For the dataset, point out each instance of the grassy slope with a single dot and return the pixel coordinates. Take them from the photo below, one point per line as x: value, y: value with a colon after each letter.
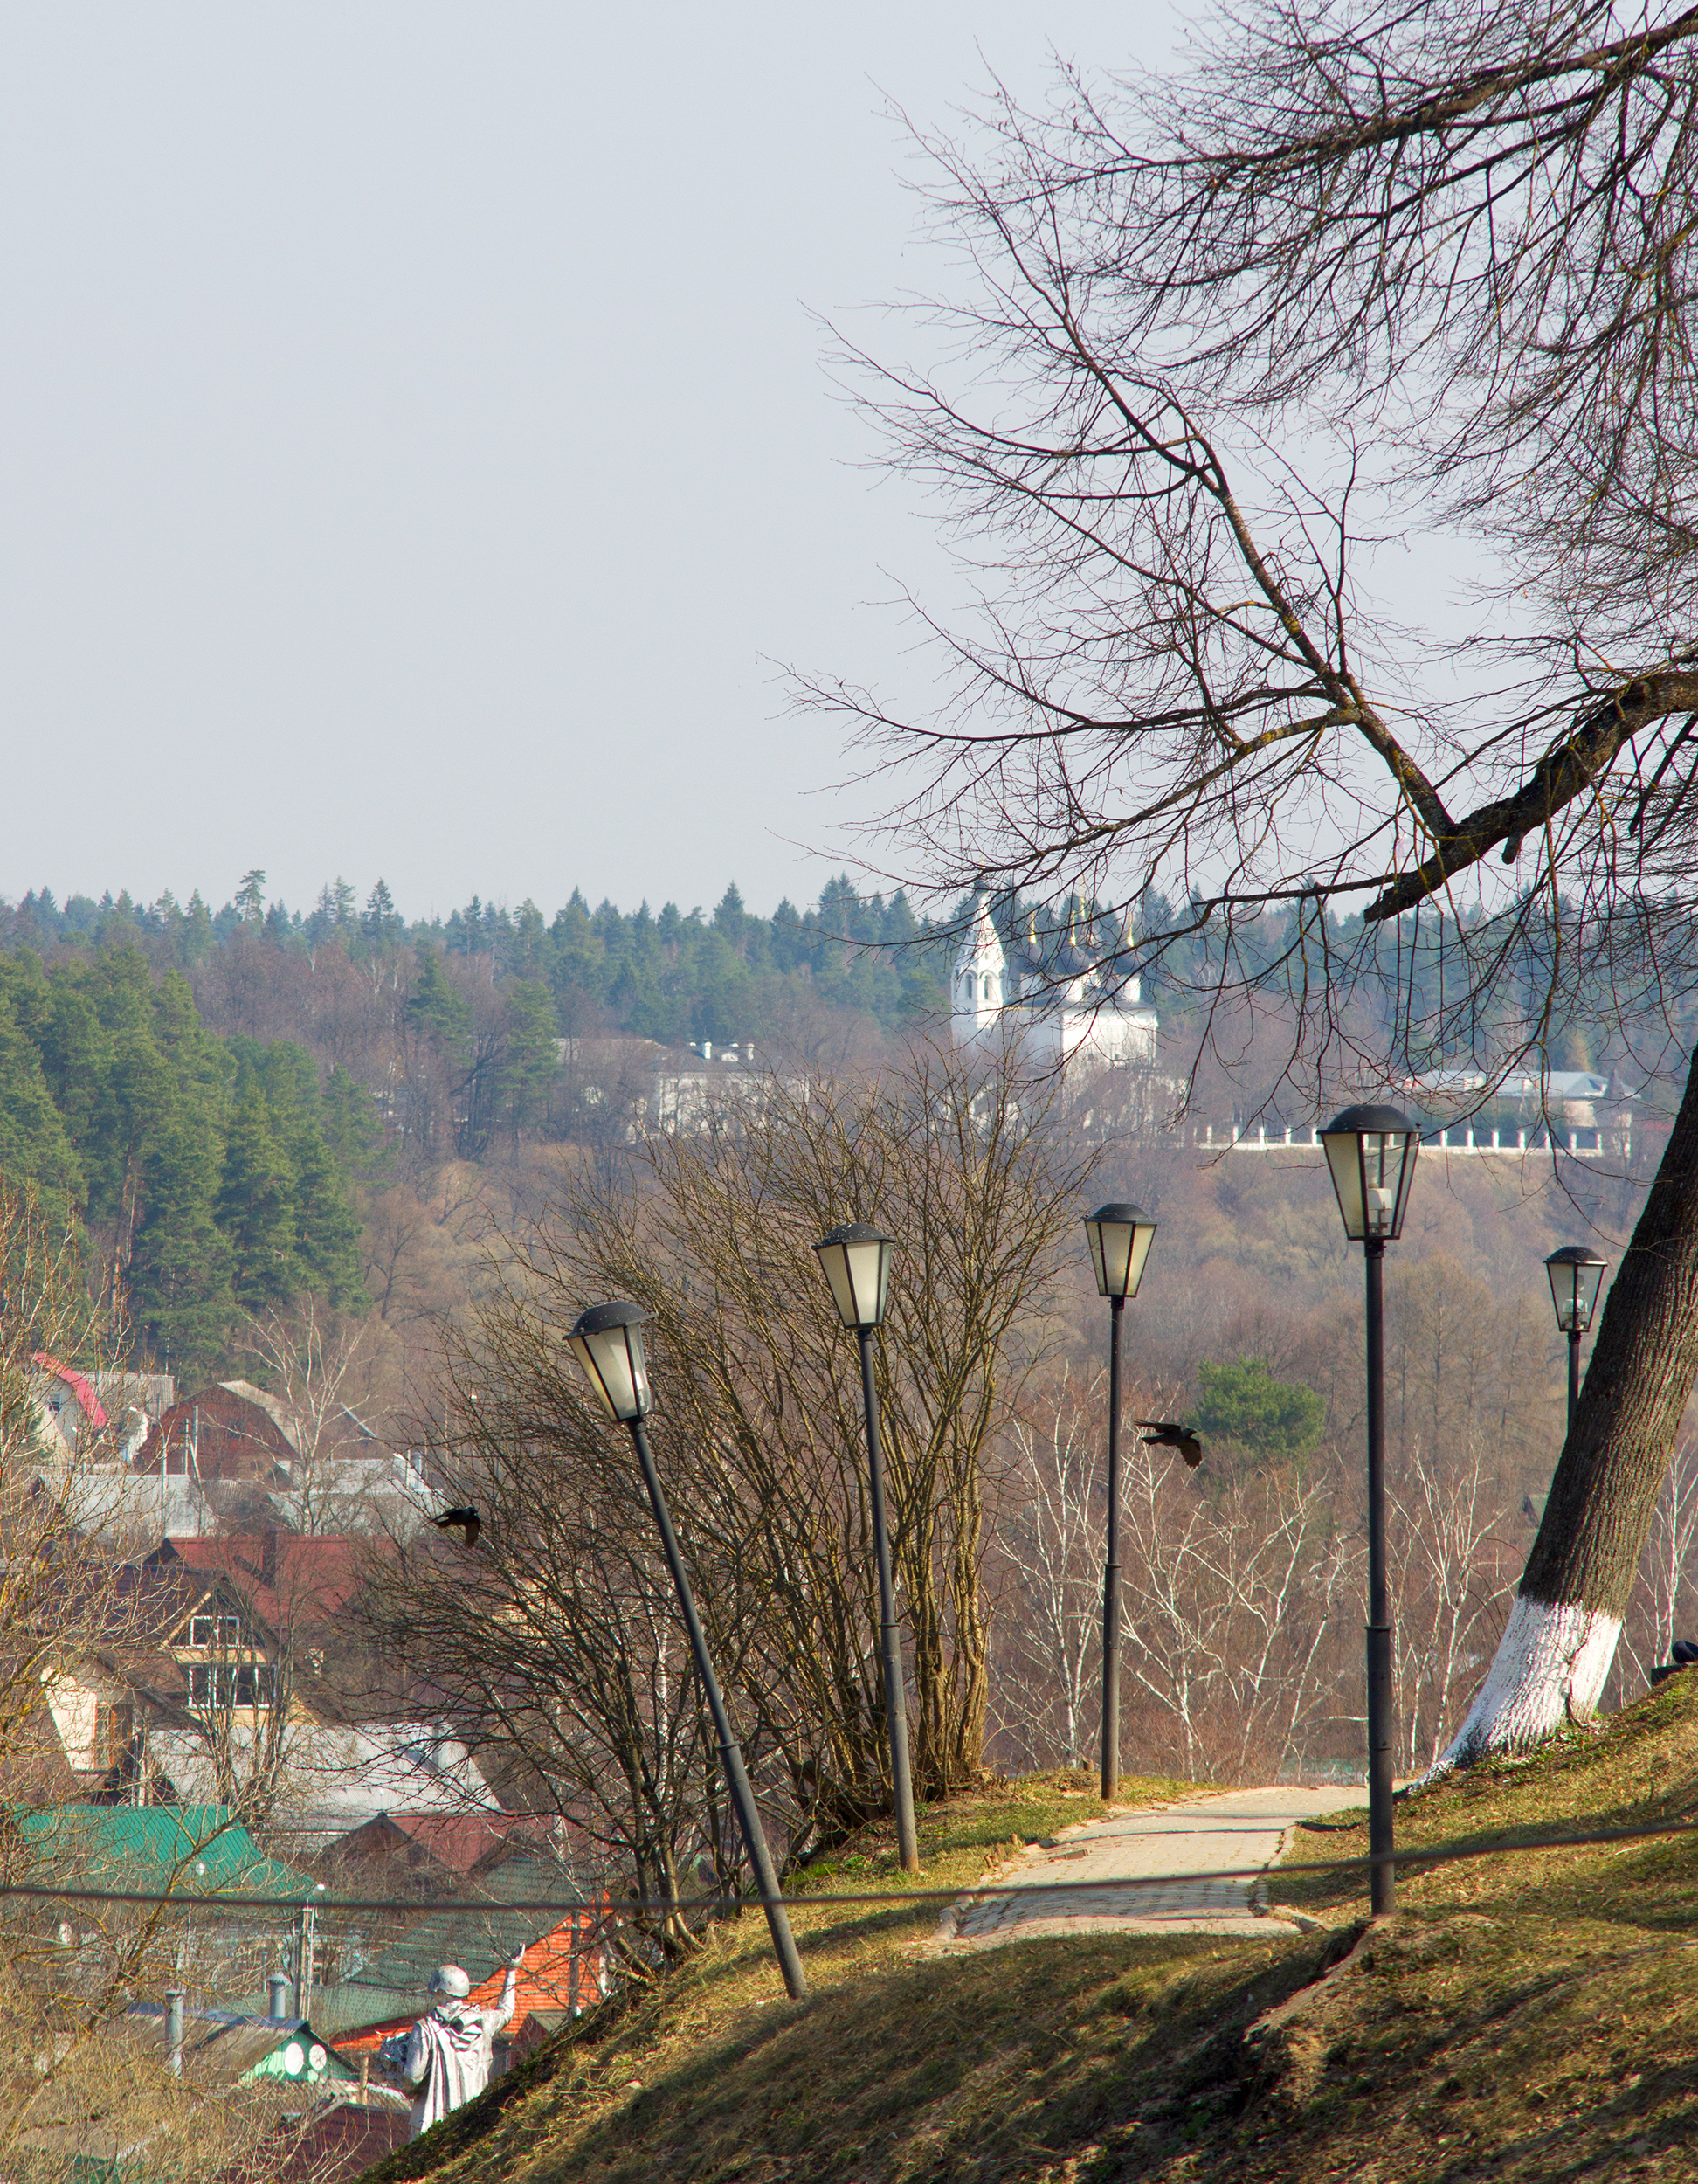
x: 1533, y: 2015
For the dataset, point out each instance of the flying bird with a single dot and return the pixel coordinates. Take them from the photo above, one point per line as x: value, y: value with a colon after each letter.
x: 463, y: 1521
x: 1164, y: 1432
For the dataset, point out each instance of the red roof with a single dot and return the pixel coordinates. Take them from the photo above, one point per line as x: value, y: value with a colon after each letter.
x: 285, y: 1575
x: 80, y: 1386
x: 544, y: 1983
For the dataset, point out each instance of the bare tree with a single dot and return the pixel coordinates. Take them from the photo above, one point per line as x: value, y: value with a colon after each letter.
x: 1363, y: 269
x: 1044, y: 1696
x: 1452, y: 1575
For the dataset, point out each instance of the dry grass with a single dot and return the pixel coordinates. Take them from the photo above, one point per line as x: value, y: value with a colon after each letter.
x: 1531, y: 2016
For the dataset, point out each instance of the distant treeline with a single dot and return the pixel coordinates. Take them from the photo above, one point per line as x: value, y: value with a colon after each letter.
x: 671, y: 975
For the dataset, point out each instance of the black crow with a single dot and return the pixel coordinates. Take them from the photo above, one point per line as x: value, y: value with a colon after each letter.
x: 1683, y: 1652
x: 1165, y: 1434
x: 463, y: 1521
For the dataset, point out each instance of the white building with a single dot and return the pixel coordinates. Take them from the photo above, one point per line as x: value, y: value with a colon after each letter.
x: 1059, y: 1002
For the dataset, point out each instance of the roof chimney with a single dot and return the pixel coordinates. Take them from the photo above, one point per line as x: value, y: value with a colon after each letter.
x: 278, y: 1985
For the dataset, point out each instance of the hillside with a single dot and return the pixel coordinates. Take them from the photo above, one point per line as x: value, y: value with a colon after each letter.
x: 1527, y: 2016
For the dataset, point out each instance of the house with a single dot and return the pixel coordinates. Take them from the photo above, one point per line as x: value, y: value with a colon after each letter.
x: 223, y: 2049
x: 235, y: 1453
x: 207, y: 1633
x: 69, y: 1413
x: 1061, y: 1003
x: 715, y: 1088
x: 301, y: 2107
x: 219, y: 1435
x: 337, y: 2140
x: 335, y: 1777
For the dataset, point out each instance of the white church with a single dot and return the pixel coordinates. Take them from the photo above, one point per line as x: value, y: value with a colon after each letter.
x: 1057, y: 1002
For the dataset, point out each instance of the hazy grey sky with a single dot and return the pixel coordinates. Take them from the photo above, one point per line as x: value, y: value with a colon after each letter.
x: 412, y: 435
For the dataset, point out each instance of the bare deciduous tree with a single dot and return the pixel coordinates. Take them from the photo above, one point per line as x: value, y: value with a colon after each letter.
x: 1363, y: 270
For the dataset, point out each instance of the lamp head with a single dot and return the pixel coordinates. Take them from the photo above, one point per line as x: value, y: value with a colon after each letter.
x: 607, y: 1341
x: 856, y: 1263
x: 1576, y: 1275
x: 1120, y: 1236
x: 1370, y: 1153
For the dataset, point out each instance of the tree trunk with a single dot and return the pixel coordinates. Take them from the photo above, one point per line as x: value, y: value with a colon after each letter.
x: 1561, y: 1637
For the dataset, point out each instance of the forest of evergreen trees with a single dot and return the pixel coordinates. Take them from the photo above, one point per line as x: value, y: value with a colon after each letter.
x: 670, y: 976
x: 217, y: 1095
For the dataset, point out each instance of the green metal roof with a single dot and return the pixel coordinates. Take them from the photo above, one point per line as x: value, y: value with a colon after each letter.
x: 181, y: 1849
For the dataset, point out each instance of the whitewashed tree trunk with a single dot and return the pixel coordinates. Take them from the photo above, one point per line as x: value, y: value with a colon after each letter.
x: 1561, y: 1637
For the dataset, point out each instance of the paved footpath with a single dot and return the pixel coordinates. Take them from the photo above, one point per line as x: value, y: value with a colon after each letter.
x: 1236, y: 1829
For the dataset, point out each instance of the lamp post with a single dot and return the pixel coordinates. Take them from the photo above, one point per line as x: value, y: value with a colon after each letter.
x: 1371, y: 1151
x: 607, y: 1342
x: 856, y: 1263
x: 1576, y: 1275
x: 1119, y: 1237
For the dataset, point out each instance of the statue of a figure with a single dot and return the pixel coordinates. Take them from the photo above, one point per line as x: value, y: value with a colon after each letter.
x: 445, y: 2061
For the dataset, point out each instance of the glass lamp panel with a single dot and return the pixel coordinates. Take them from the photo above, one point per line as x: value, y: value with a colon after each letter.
x: 1562, y: 1291
x: 835, y: 1260
x: 1344, y: 1159
x: 1590, y: 1278
x: 868, y: 1265
x: 1382, y: 1161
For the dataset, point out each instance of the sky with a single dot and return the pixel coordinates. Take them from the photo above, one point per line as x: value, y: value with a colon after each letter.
x: 417, y: 448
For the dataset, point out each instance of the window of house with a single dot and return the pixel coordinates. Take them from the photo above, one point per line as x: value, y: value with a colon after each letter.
x: 253, y: 1683
x: 215, y: 1630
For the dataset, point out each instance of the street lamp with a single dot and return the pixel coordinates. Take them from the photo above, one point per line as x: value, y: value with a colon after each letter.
x: 856, y: 1263
x: 1119, y: 1237
x: 1575, y: 1278
x: 1371, y: 1151
x: 607, y: 1342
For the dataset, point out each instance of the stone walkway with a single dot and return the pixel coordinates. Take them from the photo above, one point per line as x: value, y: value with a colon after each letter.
x: 1232, y: 1830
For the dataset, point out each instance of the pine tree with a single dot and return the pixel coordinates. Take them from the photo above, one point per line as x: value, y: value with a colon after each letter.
x: 179, y: 1269
x: 256, y: 1205
x: 438, y: 1011
x: 327, y: 1229
x: 349, y: 1117
x: 530, y: 1057
x: 34, y: 1145
x: 381, y: 925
